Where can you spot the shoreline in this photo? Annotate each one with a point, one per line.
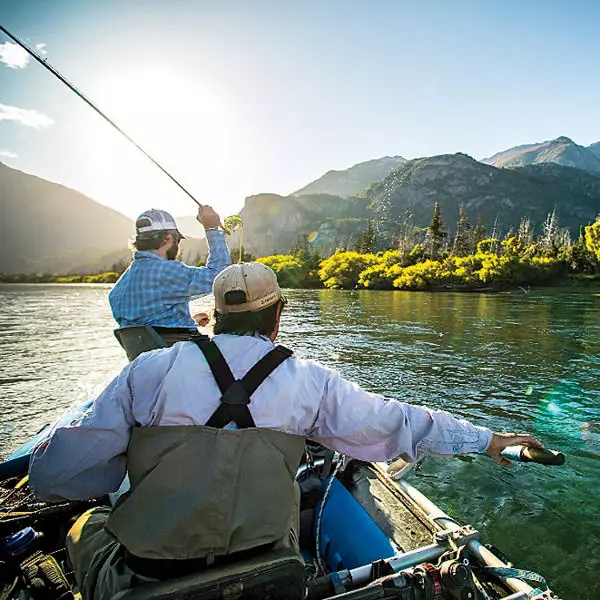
(588, 281)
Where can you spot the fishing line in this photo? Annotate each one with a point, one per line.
(44, 62)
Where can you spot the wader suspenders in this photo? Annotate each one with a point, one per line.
(237, 392)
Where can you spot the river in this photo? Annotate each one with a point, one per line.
(513, 362)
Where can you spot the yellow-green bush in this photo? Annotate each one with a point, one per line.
(381, 274)
(109, 277)
(289, 270)
(67, 279)
(487, 245)
(592, 239)
(421, 276)
(342, 269)
(460, 270)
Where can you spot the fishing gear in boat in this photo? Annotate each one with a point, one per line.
(44, 62)
(378, 537)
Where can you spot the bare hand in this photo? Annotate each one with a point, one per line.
(503, 440)
(202, 319)
(208, 217)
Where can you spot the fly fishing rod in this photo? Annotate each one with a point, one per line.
(44, 62)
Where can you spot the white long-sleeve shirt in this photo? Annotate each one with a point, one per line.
(174, 386)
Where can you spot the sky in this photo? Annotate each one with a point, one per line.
(239, 97)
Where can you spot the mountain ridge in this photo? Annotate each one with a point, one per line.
(561, 150)
(47, 227)
(406, 197)
(350, 181)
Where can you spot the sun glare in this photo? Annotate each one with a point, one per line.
(184, 123)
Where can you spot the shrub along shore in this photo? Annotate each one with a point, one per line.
(512, 262)
(464, 265)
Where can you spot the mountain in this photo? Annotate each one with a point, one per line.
(272, 223)
(46, 227)
(349, 182)
(504, 196)
(562, 151)
(408, 195)
(595, 148)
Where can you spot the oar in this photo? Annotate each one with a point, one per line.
(542, 456)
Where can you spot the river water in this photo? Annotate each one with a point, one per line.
(513, 362)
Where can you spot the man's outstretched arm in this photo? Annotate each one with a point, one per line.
(370, 427)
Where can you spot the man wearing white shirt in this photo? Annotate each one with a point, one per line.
(208, 423)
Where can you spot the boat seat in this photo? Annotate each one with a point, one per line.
(138, 339)
(275, 575)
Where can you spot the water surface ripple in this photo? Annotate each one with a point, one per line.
(512, 362)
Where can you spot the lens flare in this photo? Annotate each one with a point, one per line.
(562, 415)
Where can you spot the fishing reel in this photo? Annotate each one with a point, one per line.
(451, 579)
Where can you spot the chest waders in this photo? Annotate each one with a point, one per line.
(204, 495)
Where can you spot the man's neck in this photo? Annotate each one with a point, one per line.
(160, 253)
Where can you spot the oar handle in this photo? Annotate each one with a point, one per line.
(542, 456)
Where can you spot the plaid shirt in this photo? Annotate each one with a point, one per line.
(157, 291)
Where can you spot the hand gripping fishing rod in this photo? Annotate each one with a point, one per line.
(44, 62)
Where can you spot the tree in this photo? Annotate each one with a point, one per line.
(480, 231)
(548, 238)
(463, 240)
(436, 234)
(366, 242)
(580, 259)
(592, 239)
(302, 248)
(120, 267)
(234, 253)
(525, 234)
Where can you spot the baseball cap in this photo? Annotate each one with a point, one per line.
(154, 220)
(257, 282)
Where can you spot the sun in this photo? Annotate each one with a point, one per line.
(183, 121)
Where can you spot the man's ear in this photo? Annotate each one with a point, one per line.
(276, 324)
(169, 238)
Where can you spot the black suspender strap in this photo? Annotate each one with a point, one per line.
(236, 393)
(217, 363)
(264, 367)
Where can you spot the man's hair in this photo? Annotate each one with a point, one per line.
(152, 241)
(258, 321)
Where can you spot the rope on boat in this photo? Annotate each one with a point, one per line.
(511, 572)
(321, 570)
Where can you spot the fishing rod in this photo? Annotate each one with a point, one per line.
(44, 62)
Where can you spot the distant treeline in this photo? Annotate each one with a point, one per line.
(470, 260)
(426, 259)
(109, 277)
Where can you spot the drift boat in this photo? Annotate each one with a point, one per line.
(365, 532)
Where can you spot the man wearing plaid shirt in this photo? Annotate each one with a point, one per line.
(156, 288)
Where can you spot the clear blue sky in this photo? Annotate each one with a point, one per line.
(249, 96)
